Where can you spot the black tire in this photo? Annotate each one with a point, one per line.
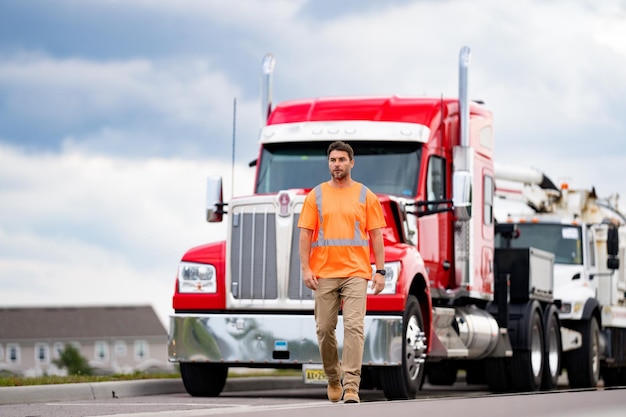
(583, 364)
(553, 360)
(442, 373)
(529, 351)
(475, 372)
(614, 377)
(498, 374)
(369, 377)
(404, 381)
(203, 379)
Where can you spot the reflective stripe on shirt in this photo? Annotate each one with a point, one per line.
(355, 241)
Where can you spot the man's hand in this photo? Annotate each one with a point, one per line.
(378, 283)
(310, 280)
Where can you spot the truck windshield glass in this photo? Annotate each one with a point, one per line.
(389, 168)
(564, 241)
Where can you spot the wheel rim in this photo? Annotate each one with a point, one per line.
(536, 354)
(415, 348)
(595, 354)
(553, 351)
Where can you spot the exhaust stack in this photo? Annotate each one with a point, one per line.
(266, 96)
(462, 182)
(464, 113)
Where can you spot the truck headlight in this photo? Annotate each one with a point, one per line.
(391, 278)
(196, 278)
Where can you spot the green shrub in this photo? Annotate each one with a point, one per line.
(71, 359)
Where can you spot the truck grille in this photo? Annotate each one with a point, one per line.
(253, 256)
(257, 244)
(297, 290)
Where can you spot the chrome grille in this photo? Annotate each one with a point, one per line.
(259, 241)
(297, 290)
(253, 256)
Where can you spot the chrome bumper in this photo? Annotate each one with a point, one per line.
(272, 339)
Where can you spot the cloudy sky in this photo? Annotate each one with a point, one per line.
(113, 113)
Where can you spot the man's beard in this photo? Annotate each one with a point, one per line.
(339, 175)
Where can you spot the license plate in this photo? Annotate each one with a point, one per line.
(314, 374)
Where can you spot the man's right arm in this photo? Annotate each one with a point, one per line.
(305, 253)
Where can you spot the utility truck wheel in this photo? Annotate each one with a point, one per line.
(554, 347)
(583, 364)
(404, 381)
(528, 353)
(203, 379)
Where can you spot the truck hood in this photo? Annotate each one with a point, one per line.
(209, 253)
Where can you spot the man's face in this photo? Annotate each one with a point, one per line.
(339, 164)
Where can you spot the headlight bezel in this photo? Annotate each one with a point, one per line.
(197, 278)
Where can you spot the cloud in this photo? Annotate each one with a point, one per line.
(136, 107)
(98, 229)
(112, 113)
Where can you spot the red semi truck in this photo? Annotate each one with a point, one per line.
(451, 300)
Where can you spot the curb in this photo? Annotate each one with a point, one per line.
(102, 390)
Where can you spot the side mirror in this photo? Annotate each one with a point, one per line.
(462, 195)
(214, 200)
(612, 247)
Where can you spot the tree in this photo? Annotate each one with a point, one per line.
(71, 359)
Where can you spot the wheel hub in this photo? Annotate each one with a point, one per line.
(415, 347)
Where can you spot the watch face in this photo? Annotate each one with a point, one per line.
(381, 271)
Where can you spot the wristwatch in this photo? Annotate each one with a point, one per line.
(381, 272)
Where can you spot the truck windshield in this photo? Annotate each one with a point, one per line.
(564, 241)
(385, 168)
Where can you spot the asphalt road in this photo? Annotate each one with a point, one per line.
(288, 396)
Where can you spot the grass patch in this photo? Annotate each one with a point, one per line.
(19, 381)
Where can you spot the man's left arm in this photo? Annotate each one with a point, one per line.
(378, 247)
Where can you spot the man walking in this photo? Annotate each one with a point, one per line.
(338, 220)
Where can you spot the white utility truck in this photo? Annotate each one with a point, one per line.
(587, 235)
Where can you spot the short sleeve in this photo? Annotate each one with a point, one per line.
(375, 215)
(309, 217)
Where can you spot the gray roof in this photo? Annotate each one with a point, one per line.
(79, 323)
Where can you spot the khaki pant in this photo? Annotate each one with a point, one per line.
(328, 297)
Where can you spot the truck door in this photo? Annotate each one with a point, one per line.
(435, 233)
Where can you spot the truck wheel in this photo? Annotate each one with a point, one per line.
(404, 381)
(475, 373)
(528, 353)
(498, 374)
(554, 347)
(583, 364)
(203, 379)
(614, 377)
(442, 373)
(369, 377)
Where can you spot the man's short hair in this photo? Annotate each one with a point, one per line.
(341, 146)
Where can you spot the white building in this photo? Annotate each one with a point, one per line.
(115, 339)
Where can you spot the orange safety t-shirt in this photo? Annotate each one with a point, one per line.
(340, 244)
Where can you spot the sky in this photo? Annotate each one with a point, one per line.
(114, 112)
